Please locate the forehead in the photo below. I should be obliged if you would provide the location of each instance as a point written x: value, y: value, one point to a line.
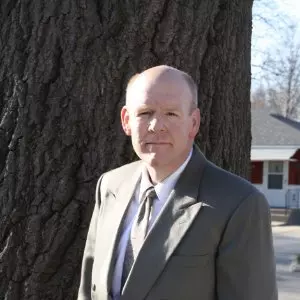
x: 168, y: 90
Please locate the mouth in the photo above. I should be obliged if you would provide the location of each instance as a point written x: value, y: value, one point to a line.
x: 156, y: 144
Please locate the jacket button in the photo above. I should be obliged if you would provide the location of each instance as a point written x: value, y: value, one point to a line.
x: 94, y: 287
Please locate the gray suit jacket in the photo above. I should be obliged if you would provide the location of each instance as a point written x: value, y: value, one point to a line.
x: 213, y: 240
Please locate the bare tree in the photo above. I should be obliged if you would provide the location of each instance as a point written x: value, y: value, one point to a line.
x: 282, y: 74
x: 64, y: 68
x: 268, y: 21
x: 258, y: 97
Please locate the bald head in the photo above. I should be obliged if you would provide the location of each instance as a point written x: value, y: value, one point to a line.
x: 165, y: 77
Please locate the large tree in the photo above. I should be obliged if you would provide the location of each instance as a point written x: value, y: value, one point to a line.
x: 64, y: 69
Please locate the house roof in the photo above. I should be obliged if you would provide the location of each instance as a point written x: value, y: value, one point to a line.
x: 272, y: 153
x: 270, y: 129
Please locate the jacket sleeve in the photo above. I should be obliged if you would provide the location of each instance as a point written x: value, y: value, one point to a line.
x: 245, y: 264
x: 84, y: 292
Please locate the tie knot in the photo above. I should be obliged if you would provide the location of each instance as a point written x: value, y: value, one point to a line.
x: 150, y: 193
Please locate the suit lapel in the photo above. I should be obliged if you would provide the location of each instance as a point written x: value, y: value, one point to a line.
x: 169, y: 229
x: 113, y: 225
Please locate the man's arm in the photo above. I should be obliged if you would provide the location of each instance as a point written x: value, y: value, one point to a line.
x: 245, y: 263
x: 84, y: 292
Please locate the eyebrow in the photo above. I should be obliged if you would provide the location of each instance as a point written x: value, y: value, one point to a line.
x: 144, y: 107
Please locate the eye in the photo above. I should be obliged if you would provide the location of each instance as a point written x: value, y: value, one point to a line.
x: 144, y: 113
x: 171, y: 114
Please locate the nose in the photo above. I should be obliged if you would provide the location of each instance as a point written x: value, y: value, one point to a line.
x: 157, y: 124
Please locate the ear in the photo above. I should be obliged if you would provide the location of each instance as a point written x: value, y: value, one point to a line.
x: 196, y: 118
x: 125, y: 120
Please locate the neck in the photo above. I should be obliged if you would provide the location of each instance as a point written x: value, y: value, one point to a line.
x: 157, y: 175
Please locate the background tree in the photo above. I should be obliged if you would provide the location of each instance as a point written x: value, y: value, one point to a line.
x: 276, y: 76
x: 64, y: 68
x: 258, y: 97
x: 268, y: 22
x: 282, y: 74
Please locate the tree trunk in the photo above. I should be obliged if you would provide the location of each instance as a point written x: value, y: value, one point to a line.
x: 64, y: 68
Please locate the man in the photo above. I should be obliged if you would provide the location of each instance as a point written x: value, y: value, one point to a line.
x: 173, y: 225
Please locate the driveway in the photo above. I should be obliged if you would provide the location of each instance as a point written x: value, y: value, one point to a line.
x: 287, y: 244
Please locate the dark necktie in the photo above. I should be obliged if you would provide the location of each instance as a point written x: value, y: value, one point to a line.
x: 138, y: 231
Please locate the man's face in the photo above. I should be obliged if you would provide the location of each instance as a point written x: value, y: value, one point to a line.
x: 160, y: 121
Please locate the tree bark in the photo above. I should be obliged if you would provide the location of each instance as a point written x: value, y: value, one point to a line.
x: 64, y: 68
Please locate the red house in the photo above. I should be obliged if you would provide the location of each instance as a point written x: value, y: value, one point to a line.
x: 275, y: 158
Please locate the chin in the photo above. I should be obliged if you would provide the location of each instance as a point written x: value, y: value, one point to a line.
x: 155, y: 159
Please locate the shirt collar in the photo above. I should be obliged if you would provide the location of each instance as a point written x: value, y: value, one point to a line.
x: 163, y: 189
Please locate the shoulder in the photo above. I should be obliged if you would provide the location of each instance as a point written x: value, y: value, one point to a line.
x: 123, y: 170
x: 226, y: 179
x: 227, y: 190
x: 115, y: 177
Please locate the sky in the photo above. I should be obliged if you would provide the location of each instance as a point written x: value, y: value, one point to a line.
x: 269, y: 19
x: 291, y: 7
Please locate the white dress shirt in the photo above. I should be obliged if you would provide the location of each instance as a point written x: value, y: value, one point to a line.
x: 163, y: 190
